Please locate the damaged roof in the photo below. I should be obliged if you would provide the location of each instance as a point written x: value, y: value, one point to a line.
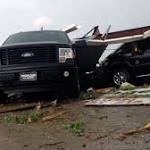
x: 125, y: 33
x: 124, y: 36
x: 129, y: 32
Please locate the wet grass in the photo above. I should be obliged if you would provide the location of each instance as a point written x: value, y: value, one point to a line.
x: 87, y: 95
x: 76, y: 128
x: 23, y: 119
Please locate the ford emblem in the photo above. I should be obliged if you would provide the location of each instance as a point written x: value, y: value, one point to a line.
x: 27, y: 54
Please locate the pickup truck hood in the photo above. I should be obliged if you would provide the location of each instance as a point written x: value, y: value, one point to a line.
x: 33, y: 44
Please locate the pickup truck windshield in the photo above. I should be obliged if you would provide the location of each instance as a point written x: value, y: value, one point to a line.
x: 38, y: 36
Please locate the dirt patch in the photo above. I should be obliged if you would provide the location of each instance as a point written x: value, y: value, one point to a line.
x: 102, y: 128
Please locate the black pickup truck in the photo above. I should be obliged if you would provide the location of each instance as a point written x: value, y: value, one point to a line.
x: 38, y: 61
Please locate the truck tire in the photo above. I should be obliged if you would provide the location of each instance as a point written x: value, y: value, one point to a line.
x: 120, y: 76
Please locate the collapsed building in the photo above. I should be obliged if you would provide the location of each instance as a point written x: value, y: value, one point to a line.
x: 92, y: 51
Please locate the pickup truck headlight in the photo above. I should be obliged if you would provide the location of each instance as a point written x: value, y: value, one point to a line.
x: 64, y: 54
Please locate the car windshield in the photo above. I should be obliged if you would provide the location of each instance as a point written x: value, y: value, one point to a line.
x: 38, y: 36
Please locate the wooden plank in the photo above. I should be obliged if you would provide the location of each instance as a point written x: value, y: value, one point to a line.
x: 118, y: 102
x: 13, y: 108
x: 21, y: 107
x: 55, y: 115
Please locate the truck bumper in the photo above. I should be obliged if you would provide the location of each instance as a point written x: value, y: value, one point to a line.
x: 48, y: 79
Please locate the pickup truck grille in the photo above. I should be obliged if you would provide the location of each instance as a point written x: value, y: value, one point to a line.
x: 3, y: 55
x: 29, y: 55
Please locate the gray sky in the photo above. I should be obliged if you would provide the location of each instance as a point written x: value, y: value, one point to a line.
x: 23, y: 15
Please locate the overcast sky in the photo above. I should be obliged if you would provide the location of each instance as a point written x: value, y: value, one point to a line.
x: 23, y: 15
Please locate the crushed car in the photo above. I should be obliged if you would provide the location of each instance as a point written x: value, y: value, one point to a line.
x: 128, y: 56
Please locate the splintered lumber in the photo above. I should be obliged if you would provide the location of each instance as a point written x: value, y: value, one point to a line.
x: 22, y: 107
x: 55, y: 115
x: 51, y: 144
x: 13, y: 108
x: 104, y: 90
x: 131, y: 132
x: 118, y: 102
x: 146, y: 127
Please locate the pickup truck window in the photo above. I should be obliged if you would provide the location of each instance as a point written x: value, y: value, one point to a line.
x: 38, y: 36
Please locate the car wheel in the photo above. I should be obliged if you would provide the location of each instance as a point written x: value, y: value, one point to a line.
x: 119, y: 77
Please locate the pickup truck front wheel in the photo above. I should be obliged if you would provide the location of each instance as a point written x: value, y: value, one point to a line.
x: 120, y: 76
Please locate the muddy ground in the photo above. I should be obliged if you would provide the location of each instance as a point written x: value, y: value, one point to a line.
x: 103, y: 127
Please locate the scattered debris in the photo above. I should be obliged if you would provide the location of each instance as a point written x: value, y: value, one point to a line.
x: 38, y: 106
x: 118, y: 102
x: 114, y: 97
x: 54, y: 103
x: 139, y: 92
x: 77, y: 128
x: 51, y: 144
x: 90, y: 94
x: 101, y: 137
x: 104, y: 90
x: 121, y: 137
x: 97, y: 135
x: 146, y: 127
x: 131, y: 132
x: 24, y: 106
x: 54, y: 116
x: 127, y: 86
x: 146, y: 85
x: 89, y: 90
x: 20, y: 107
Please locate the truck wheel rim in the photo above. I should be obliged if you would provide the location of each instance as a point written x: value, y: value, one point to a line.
x: 119, y: 78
